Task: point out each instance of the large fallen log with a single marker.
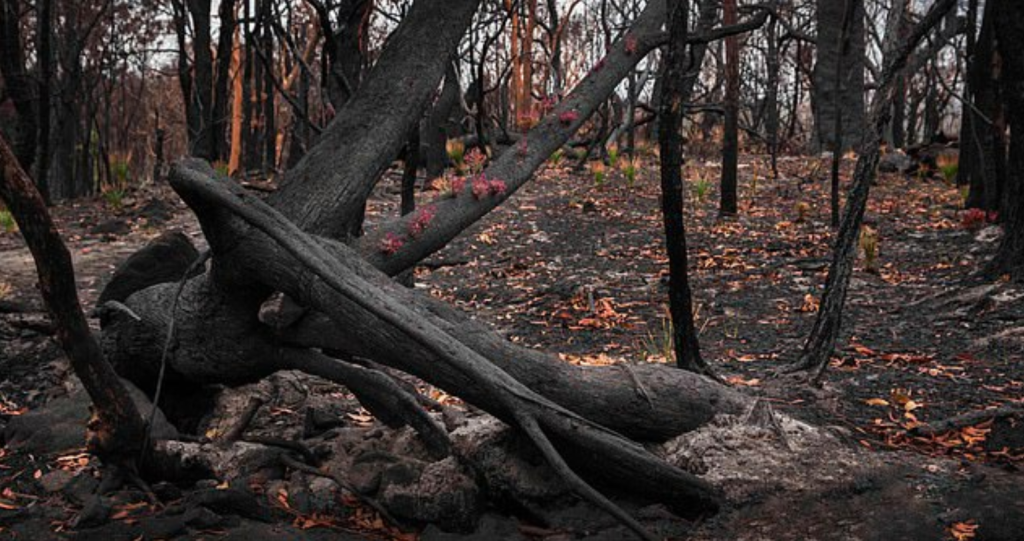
(265, 248)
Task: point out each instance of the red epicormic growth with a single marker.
(976, 218)
(568, 117)
(391, 244)
(631, 44)
(497, 187)
(481, 186)
(419, 224)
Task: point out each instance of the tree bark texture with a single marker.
(843, 61)
(670, 142)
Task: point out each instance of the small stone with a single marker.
(56, 480)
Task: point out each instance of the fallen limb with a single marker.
(936, 428)
(378, 393)
(284, 258)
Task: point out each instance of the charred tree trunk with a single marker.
(771, 99)
(64, 182)
(1009, 23)
(218, 120)
(199, 83)
(967, 120)
(44, 39)
(250, 95)
(343, 49)
(730, 139)
(269, 95)
(983, 166)
(18, 83)
(850, 13)
(670, 141)
(438, 126)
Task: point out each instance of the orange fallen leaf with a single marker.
(738, 380)
(811, 304)
(962, 531)
(876, 402)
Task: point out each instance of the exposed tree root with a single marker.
(377, 392)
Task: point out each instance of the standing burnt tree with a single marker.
(670, 141)
(983, 129)
(1008, 20)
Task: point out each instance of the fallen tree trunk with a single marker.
(265, 247)
(359, 311)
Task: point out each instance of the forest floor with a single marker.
(577, 268)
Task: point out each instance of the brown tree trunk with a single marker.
(117, 433)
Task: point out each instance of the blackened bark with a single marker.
(438, 126)
(250, 95)
(670, 141)
(1009, 27)
(728, 204)
(897, 128)
(118, 436)
(983, 146)
(18, 83)
(344, 49)
(837, 144)
(967, 121)
(408, 203)
(300, 126)
(218, 120)
(269, 95)
(64, 182)
(192, 119)
(555, 30)
(848, 98)
(412, 165)
(202, 139)
(44, 39)
(771, 99)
